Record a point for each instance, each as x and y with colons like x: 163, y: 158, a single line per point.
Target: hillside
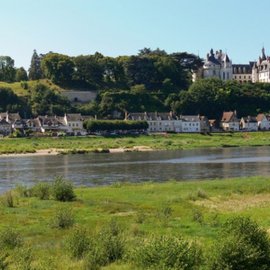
x: 21, y: 88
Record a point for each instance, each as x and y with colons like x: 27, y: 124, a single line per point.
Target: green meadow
x: 195, y: 211
x: 155, y: 142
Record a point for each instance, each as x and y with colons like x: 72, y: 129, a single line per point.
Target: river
x: 100, y: 169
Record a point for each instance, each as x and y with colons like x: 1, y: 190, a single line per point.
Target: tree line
x: 155, y: 69
x: 152, y: 80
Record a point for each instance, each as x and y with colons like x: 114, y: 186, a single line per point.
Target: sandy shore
x: 133, y: 149
x: 43, y: 152
x: 54, y: 152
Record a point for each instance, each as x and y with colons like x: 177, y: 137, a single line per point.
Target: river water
x: 100, y: 169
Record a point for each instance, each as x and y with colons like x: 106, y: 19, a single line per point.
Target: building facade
x: 261, y: 69
x: 217, y: 65
x: 243, y: 73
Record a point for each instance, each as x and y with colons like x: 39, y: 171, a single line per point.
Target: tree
x: 88, y: 71
x: 7, y: 70
x: 11, y: 102
x: 243, y: 246
x: 44, y: 100
x: 35, y: 72
x: 58, y: 67
x: 21, y: 75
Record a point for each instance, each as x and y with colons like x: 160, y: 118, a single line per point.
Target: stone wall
x: 80, y: 96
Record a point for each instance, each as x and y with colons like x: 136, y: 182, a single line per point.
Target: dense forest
x: 152, y: 80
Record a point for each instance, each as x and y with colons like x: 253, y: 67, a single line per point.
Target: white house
x: 229, y: 121
x: 195, y: 123
x: 263, y: 122
x: 74, y: 123
x: 158, y: 122
x: 249, y: 123
x: 5, y: 127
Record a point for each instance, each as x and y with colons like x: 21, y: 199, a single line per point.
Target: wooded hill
x: 152, y: 80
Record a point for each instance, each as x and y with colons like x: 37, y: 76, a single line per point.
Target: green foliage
x: 63, y: 218
x: 23, y: 258
x: 9, y: 101
x: 46, y: 101
x: 57, y: 67
x: 112, y: 242
x: 167, y: 252
x: 41, y: 190
x: 7, y: 70
x: 62, y: 190
x: 21, y: 75
x: 23, y: 191
x: 10, y: 239
x: 211, y: 97
x: 95, y: 259
x: 109, y: 247
x: 35, y: 72
x: 114, y: 125
x: 243, y: 246
x: 78, y: 242
x: 7, y: 199
x: 3, y: 260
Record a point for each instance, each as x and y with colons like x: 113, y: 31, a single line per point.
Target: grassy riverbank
x: 155, y: 142
x: 195, y: 210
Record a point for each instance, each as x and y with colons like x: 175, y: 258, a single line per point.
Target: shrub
x: 140, y: 217
x: 109, y: 247
x: 164, y: 214
x: 168, y: 252
x: 95, y: 259
x: 63, y: 218
x: 42, y: 191
x: 23, y: 258
x: 78, y: 243
x: 197, y: 216
x: 23, y: 191
x: 8, y: 199
x: 3, y: 261
x: 62, y: 190
x: 202, y: 194
x: 243, y: 246
x: 10, y: 239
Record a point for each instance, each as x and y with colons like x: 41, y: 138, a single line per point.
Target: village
x: 12, y: 124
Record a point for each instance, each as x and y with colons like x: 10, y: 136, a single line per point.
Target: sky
x: 123, y: 27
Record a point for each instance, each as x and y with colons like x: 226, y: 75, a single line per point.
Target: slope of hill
x: 22, y: 88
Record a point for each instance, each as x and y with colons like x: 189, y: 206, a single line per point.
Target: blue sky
x: 122, y: 27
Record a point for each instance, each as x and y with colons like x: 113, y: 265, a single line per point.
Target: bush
x: 23, y: 258
x: 167, y: 252
x: 10, y: 239
x: 42, y: 191
x: 63, y: 218
x: 3, y: 261
x: 62, y: 190
x: 8, y: 199
x: 109, y: 247
x: 78, y: 243
x: 95, y: 259
x: 243, y: 246
x: 23, y: 191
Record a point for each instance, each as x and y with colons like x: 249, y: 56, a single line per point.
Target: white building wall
x: 264, y: 124
x: 191, y: 127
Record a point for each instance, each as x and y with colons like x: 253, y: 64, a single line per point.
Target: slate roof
x: 74, y: 117
x: 250, y: 119
x: 154, y: 116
